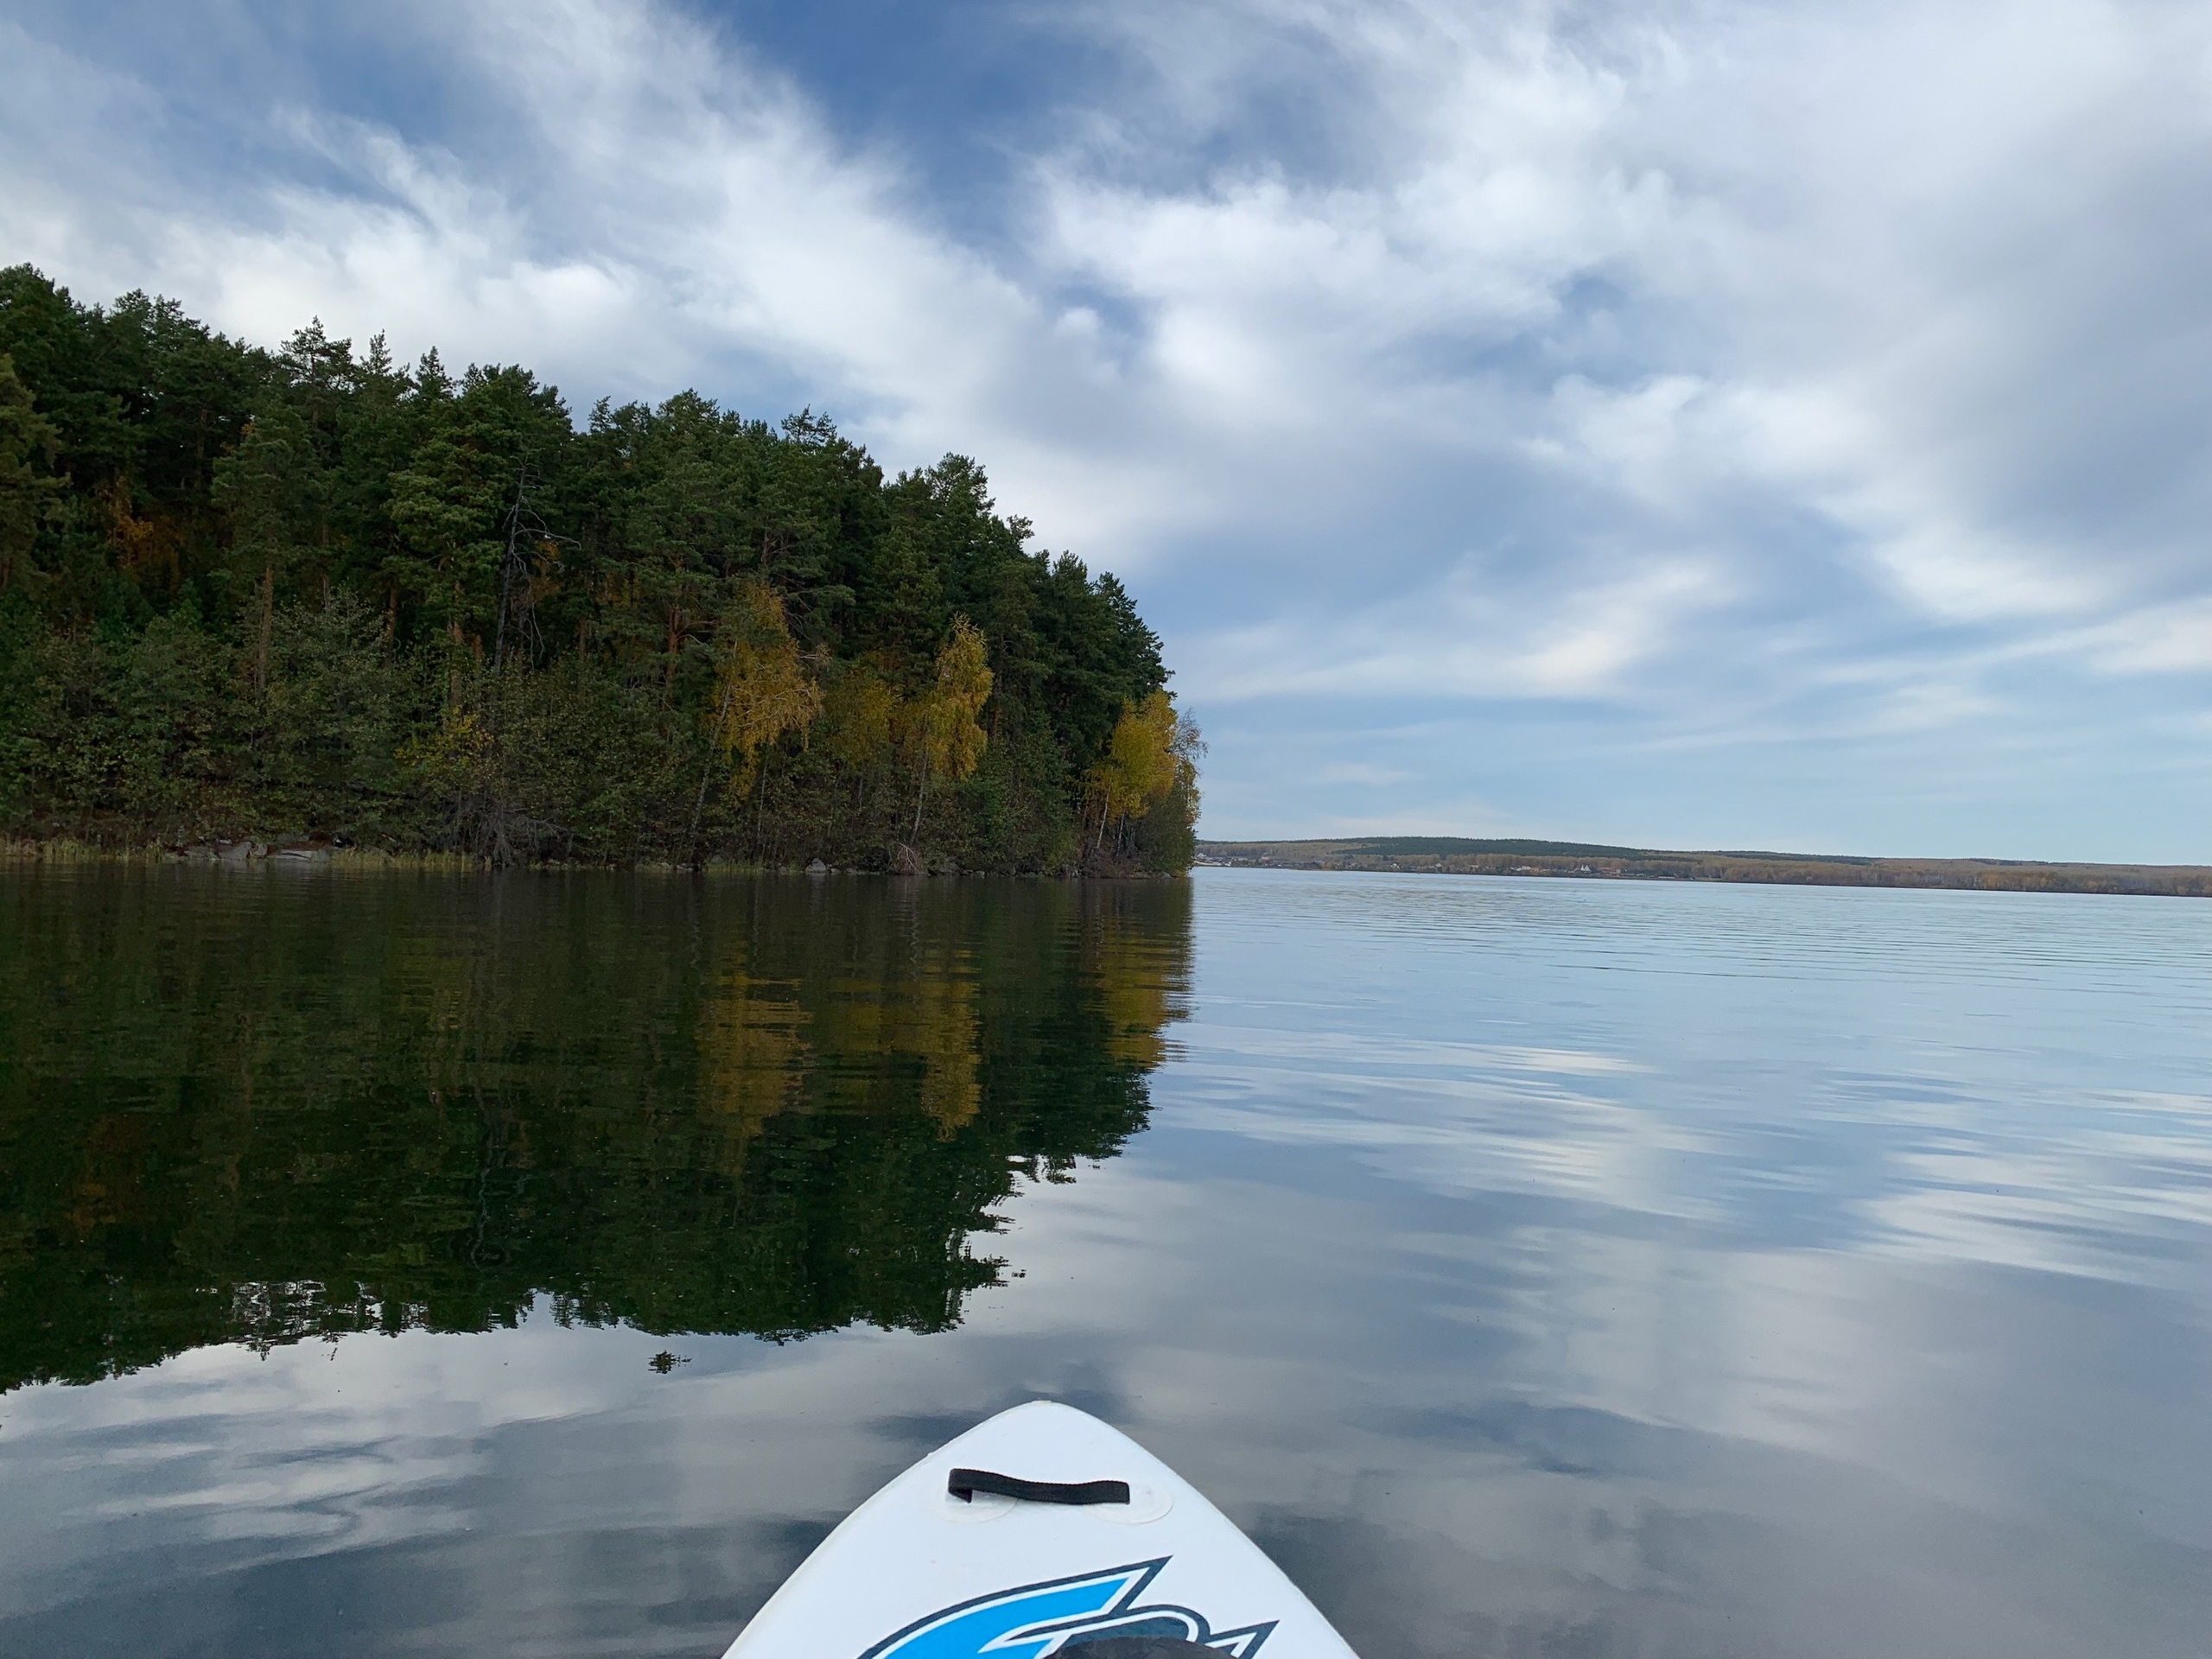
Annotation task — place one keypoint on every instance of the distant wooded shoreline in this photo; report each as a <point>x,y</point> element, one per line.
<point>1456,856</point>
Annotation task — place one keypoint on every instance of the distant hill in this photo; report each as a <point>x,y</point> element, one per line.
<point>1464,856</point>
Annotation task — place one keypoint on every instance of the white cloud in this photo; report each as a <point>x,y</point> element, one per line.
<point>1458,639</point>
<point>1359,771</point>
<point>2166,638</point>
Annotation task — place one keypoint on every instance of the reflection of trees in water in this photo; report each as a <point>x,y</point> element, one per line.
<point>248,1108</point>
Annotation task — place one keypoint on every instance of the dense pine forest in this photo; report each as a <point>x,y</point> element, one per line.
<point>313,596</point>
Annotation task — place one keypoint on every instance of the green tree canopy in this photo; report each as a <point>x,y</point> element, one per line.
<point>309,593</point>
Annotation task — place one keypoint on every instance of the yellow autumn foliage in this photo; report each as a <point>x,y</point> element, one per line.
<point>943,727</point>
<point>951,739</point>
<point>860,716</point>
<point>1142,760</point>
<point>762,689</point>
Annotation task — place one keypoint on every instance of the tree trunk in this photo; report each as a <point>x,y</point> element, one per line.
<point>507,577</point>
<point>706,775</point>
<point>268,616</point>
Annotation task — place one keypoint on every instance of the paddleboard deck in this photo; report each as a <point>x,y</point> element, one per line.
<point>1041,1532</point>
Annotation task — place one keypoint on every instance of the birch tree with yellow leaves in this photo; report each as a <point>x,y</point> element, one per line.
<point>948,737</point>
<point>1152,755</point>
<point>762,690</point>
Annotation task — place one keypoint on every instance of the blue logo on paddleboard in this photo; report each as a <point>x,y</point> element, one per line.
<point>1060,1617</point>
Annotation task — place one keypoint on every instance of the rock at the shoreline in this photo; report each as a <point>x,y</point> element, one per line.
<point>817,868</point>
<point>234,852</point>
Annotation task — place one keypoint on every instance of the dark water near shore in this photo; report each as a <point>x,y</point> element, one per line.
<point>541,1265</point>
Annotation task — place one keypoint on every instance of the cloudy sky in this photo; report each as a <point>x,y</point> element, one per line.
<point>1686,423</point>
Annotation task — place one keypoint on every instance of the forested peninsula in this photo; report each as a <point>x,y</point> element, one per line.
<point>312,598</point>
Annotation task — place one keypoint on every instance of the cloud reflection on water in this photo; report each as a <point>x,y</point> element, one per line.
<point>1537,1268</point>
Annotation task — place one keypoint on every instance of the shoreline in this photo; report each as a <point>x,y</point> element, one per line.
<point>1447,855</point>
<point>21,853</point>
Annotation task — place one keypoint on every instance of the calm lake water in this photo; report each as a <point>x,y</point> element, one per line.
<point>541,1265</point>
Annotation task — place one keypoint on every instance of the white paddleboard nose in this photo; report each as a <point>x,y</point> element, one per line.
<point>1040,1532</point>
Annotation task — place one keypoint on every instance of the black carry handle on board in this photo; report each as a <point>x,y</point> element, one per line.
<point>964,1483</point>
